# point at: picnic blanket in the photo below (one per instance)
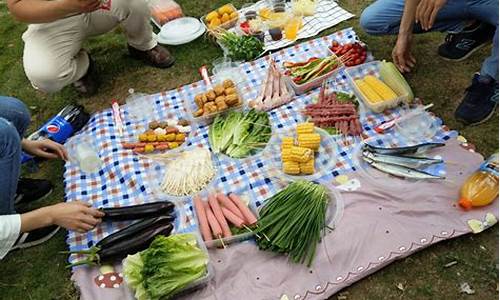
(328, 14)
(125, 179)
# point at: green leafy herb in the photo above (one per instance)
(241, 47)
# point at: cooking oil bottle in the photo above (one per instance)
(481, 188)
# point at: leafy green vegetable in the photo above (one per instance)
(241, 47)
(239, 134)
(292, 220)
(167, 266)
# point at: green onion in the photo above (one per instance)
(292, 221)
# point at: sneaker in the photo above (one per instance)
(158, 57)
(87, 85)
(460, 45)
(29, 190)
(35, 237)
(479, 102)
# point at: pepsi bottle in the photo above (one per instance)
(69, 120)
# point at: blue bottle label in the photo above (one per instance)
(58, 129)
(490, 165)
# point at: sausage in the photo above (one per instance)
(202, 219)
(234, 219)
(224, 200)
(249, 217)
(128, 145)
(139, 149)
(214, 225)
(219, 216)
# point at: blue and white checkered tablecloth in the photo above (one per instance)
(125, 179)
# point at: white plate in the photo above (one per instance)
(180, 31)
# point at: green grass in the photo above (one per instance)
(38, 273)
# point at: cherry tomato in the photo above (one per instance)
(357, 61)
(335, 44)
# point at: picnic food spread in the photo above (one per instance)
(213, 192)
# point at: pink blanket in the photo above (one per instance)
(379, 226)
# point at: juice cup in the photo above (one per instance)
(292, 27)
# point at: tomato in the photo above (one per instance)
(348, 46)
(335, 44)
(363, 58)
(357, 61)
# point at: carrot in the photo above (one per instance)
(214, 204)
(212, 221)
(224, 200)
(249, 217)
(202, 219)
(234, 219)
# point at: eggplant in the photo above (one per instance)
(126, 241)
(134, 212)
(133, 229)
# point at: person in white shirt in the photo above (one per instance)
(37, 226)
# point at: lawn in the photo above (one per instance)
(39, 273)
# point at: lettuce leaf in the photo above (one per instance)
(171, 263)
(132, 271)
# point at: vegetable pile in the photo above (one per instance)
(242, 48)
(354, 53)
(303, 72)
(297, 157)
(135, 237)
(188, 173)
(166, 135)
(166, 267)
(291, 221)
(239, 134)
(335, 111)
(219, 213)
(274, 91)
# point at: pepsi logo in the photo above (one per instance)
(52, 128)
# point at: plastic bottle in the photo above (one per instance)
(59, 128)
(481, 188)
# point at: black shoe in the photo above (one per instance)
(158, 57)
(458, 46)
(87, 85)
(29, 190)
(35, 237)
(479, 102)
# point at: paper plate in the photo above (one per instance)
(180, 31)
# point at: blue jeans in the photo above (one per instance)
(384, 17)
(14, 119)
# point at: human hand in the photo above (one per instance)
(81, 6)
(427, 11)
(401, 54)
(45, 148)
(77, 216)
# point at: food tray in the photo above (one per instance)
(372, 68)
(305, 87)
(191, 106)
(324, 159)
(137, 127)
(157, 173)
(200, 282)
(216, 243)
(226, 25)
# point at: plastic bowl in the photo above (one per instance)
(417, 125)
(324, 159)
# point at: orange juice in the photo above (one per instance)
(292, 28)
(481, 188)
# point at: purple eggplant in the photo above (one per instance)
(141, 211)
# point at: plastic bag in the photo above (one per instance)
(163, 11)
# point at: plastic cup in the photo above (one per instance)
(83, 151)
(292, 28)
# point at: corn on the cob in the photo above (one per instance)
(380, 87)
(309, 140)
(305, 128)
(291, 167)
(307, 167)
(368, 93)
(286, 154)
(287, 142)
(299, 154)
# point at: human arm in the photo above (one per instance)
(76, 216)
(44, 11)
(427, 11)
(401, 54)
(44, 148)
